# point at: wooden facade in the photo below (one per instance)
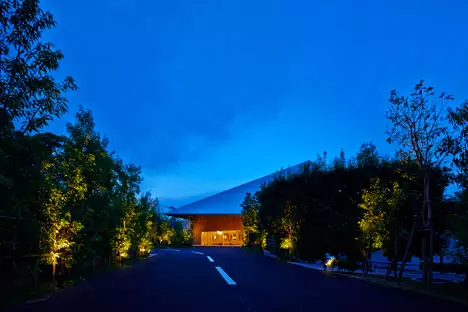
(232, 224)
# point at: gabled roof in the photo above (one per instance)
(228, 202)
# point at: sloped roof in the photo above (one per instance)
(228, 202)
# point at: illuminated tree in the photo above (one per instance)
(290, 226)
(249, 218)
(144, 224)
(378, 224)
(165, 232)
(58, 231)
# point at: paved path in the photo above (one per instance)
(382, 272)
(231, 279)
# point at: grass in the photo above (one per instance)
(451, 291)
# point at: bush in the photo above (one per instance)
(348, 265)
(447, 267)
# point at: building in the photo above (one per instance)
(217, 219)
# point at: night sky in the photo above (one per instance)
(205, 95)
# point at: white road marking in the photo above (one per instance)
(226, 277)
(209, 258)
(169, 249)
(199, 253)
(39, 300)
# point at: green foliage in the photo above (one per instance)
(165, 233)
(459, 221)
(287, 243)
(176, 233)
(318, 212)
(28, 91)
(348, 265)
(380, 204)
(249, 218)
(418, 129)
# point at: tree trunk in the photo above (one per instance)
(408, 246)
(53, 272)
(393, 264)
(424, 256)
(429, 226)
(367, 263)
(431, 255)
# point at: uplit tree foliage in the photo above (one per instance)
(63, 185)
(165, 233)
(290, 226)
(378, 224)
(249, 218)
(325, 203)
(66, 201)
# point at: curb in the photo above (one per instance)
(422, 292)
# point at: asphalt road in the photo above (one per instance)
(186, 280)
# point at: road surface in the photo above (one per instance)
(230, 279)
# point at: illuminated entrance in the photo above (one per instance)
(221, 238)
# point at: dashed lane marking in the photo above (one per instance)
(226, 277)
(209, 258)
(198, 253)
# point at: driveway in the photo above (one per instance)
(226, 279)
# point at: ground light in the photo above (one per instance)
(330, 262)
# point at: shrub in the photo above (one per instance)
(348, 265)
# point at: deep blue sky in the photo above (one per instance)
(205, 95)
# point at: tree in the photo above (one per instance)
(28, 92)
(459, 119)
(379, 224)
(417, 128)
(165, 232)
(339, 162)
(249, 218)
(367, 156)
(290, 226)
(144, 224)
(58, 231)
(86, 151)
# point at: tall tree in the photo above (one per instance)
(28, 92)
(249, 218)
(379, 224)
(367, 156)
(417, 128)
(459, 119)
(58, 231)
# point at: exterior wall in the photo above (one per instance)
(207, 223)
